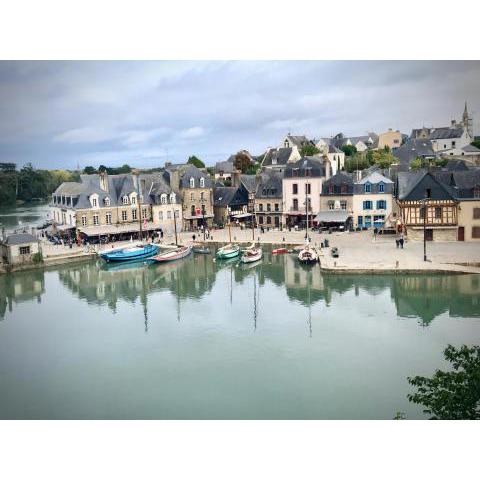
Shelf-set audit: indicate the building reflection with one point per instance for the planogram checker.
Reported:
(20, 287)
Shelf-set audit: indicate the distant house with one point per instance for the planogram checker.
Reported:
(373, 201)
(278, 158)
(224, 170)
(361, 143)
(413, 148)
(391, 139)
(269, 199)
(18, 249)
(298, 141)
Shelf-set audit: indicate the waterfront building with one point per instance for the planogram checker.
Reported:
(230, 204)
(373, 201)
(18, 249)
(269, 199)
(426, 202)
(196, 190)
(302, 185)
(103, 204)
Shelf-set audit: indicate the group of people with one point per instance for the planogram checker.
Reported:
(399, 241)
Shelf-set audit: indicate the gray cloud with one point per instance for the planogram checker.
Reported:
(60, 114)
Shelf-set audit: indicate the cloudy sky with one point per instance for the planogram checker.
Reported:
(64, 114)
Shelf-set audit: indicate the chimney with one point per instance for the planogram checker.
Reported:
(453, 124)
(236, 178)
(174, 180)
(104, 181)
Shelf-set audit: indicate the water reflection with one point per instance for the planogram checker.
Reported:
(421, 296)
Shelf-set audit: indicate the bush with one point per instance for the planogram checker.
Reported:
(37, 258)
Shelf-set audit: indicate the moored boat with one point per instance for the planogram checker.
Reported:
(308, 254)
(199, 248)
(174, 254)
(132, 252)
(228, 251)
(279, 251)
(251, 255)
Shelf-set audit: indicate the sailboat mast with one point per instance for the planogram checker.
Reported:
(229, 232)
(175, 226)
(306, 209)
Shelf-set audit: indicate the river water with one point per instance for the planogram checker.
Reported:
(199, 339)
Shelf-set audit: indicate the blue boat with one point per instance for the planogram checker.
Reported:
(135, 252)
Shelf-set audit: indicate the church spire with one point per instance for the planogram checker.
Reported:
(465, 111)
(467, 121)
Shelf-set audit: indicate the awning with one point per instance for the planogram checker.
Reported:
(332, 216)
(242, 215)
(116, 229)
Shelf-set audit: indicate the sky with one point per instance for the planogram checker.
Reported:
(73, 114)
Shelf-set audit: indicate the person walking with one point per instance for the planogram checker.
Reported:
(194, 237)
(402, 240)
(397, 242)
(375, 231)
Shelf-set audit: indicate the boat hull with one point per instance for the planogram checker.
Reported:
(171, 256)
(129, 254)
(230, 253)
(251, 258)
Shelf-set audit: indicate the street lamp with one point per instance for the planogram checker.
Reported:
(424, 203)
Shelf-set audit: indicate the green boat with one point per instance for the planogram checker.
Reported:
(228, 251)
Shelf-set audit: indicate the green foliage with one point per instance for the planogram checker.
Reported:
(112, 170)
(309, 150)
(349, 150)
(357, 162)
(195, 161)
(37, 258)
(453, 395)
(253, 168)
(383, 158)
(416, 164)
(227, 182)
(89, 170)
(425, 163)
(476, 143)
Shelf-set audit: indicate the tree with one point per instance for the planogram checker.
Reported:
(195, 161)
(356, 162)
(349, 150)
(89, 170)
(453, 395)
(309, 150)
(476, 143)
(383, 158)
(242, 162)
(416, 164)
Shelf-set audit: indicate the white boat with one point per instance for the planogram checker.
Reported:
(251, 255)
(174, 254)
(308, 254)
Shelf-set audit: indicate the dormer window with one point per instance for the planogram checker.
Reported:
(476, 191)
(163, 198)
(368, 188)
(192, 182)
(287, 144)
(94, 202)
(106, 201)
(202, 182)
(330, 189)
(381, 187)
(134, 200)
(125, 200)
(172, 198)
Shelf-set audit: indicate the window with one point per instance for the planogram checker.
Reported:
(381, 187)
(367, 205)
(160, 216)
(343, 204)
(172, 198)
(308, 189)
(144, 213)
(24, 250)
(204, 211)
(330, 189)
(475, 232)
(260, 209)
(94, 202)
(438, 212)
(134, 200)
(177, 213)
(428, 193)
(202, 195)
(295, 189)
(368, 188)
(331, 204)
(381, 205)
(260, 219)
(308, 172)
(95, 220)
(169, 215)
(453, 143)
(125, 200)
(476, 213)
(192, 182)
(343, 189)
(269, 208)
(84, 221)
(192, 210)
(108, 218)
(202, 183)
(269, 220)
(163, 198)
(476, 191)
(277, 208)
(124, 215)
(422, 212)
(134, 214)
(107, 202)
(295, 204)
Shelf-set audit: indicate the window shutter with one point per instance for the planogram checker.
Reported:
(364, 205)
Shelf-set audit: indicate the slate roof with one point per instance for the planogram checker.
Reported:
(471, 149)
(338, 180)
(222, 196)
(411, 149)
(333, 149)
(298, 140)
(375, 177)
(446, 132)
(269, 185)
(277, 156)
(408, 181)
(191, 171)
(315, 165)
(249, 182)
(455, 165)
(20, 238)
(225, 167)
(460, 183)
